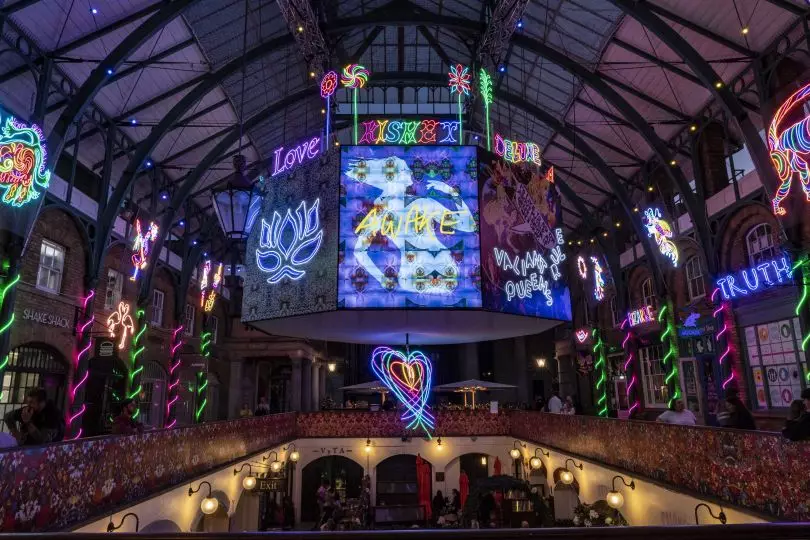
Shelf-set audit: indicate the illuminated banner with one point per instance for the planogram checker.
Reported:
(517, 152)
(408, 228)
(286, 161)
(764, 275)
(406, 132)
(641, 316)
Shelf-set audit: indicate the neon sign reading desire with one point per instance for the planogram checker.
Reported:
(641, 316)
(790, 149)
(517, 152)
(287, 244)
(23, 168)
(410, 132)
(766, 274)
(295, 156)
(530, 267)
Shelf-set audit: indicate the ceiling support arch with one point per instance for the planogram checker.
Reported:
(640, 10)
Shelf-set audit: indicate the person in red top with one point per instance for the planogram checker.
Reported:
(124, 423)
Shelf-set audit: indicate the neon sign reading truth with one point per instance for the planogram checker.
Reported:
(23, 168)
(530, 267)
(767, 274)
(295, 156)
(410, 132)
(641, 316)
(517, 152)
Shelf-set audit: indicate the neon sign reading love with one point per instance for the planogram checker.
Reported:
(295, 156)
(408, 376)
(410, 132)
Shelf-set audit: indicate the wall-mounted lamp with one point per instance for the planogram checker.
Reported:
(566, 476)
(209, 504)
(535, 462)
(484, 461)
(275, 465)
(112, 528)
(439, 444)
(515, 452)
(721, 517)
(331, 366)
(614, 497)
(293, 454)
(249, 481)
(368, 446)
(541, 362)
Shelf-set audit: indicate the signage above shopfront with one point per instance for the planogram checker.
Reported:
(45, 318)
(764, 275)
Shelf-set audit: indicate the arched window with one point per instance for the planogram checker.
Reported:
(759, 242)
(694, 278)
(647, 292)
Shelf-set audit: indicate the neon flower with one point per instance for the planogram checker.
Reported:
(598, 280)
(121, 317)
(329, 84)
(661, 231)
(354, 76)
(460, 79)
(409, 378)
(141, 247)
(582, 268)
(485, 83)
(288, 244)
(790, 149)
(582, 334)
(23, 169)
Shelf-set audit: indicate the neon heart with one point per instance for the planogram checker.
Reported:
(408, 378)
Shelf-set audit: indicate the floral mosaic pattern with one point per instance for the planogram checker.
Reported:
(364, 424)
(56, 486)
(756, 470)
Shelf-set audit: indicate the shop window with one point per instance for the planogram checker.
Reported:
(213, 325)
(51, 264)
(694, 278)
(656, 393)
(614, 311)
(115, 288)
(647, 292)
(31, 367)
(774, 355)
(153, 400)
(759, 242)
(157, 307)
(188, 320)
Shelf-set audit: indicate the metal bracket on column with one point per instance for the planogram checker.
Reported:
(304, 27)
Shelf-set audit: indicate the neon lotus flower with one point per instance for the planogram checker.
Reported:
(23, 172)
(660, 230)
(460, 79)
(288, 244)
(790, 150)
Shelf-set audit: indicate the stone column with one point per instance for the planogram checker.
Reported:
(522, 380)
(296, 384)
(322, 382)
(316, 391)
(306, 384)
(235, 389)
(469, 361)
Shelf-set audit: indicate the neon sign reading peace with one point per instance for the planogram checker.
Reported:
(23, 169)
(767, 274)
(410, 132)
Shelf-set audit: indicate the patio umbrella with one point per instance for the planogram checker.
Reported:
(472, 386)
(371, 387)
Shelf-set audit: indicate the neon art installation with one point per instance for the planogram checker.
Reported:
(121, 318)
(175, 361)
(142, 246)
(600, 367)
(485, 87)
(517, 152)
(726, 321)
(460, 79)
(641, 316)
(209, 285)
(24, 174)
(661, 231)
(630, 347)
(329, 84)
(790, 149)
(202, 376)
(295, 156)
(287, 244)
(6, 325)
(669, 341)
(582, 267)
(804, 264)
(354, 77)
(409, 376)
(598, 280)
(404, 132)
(84, 321)
(408, 223)
(762, 276)
(582, 334)
(135, 352)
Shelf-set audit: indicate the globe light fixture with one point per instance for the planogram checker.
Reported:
(567, 477)
(331, 366)
(295, 456)
(368, 446)
(209, 504)
(535, 462)
(515, 452)
(292, 452)
(249, 482)
(614, 498)
(275, 465)
(541, 362)
(439, 444)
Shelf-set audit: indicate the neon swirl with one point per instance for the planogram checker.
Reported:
(174, 380)
(5, 326)
(354, 76)
(669, 340)
(409, 377)
(601, 365)
(790, 150)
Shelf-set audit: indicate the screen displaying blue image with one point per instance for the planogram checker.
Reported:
(409, 227)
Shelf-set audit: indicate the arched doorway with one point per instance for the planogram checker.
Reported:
(153, 395)
(476, 466)
(397, 481)
(106, 386)
(33, 366)
(345, 475)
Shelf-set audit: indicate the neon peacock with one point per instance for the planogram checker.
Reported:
(661, 231)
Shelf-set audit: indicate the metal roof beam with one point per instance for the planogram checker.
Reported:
(361, 50)
(499, 30)
(303, 25)
(788, 6)
(435, 45)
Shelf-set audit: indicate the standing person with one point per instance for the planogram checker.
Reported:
(438, 505)
(455, 501)
(740, 417)
(555, 403)
(125, 423)
(797, 428)
(38, 422)
(245, 411)
(321, 497)
(678, 414)
(568, 406)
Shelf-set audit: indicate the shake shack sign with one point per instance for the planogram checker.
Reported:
(45, 318)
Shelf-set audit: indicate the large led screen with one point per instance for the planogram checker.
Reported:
(522, 244)
(291, 254)
(409, 227)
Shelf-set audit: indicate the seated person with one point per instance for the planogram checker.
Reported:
(38, 422)
(125, 423)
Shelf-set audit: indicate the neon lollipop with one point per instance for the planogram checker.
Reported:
(354, 76)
